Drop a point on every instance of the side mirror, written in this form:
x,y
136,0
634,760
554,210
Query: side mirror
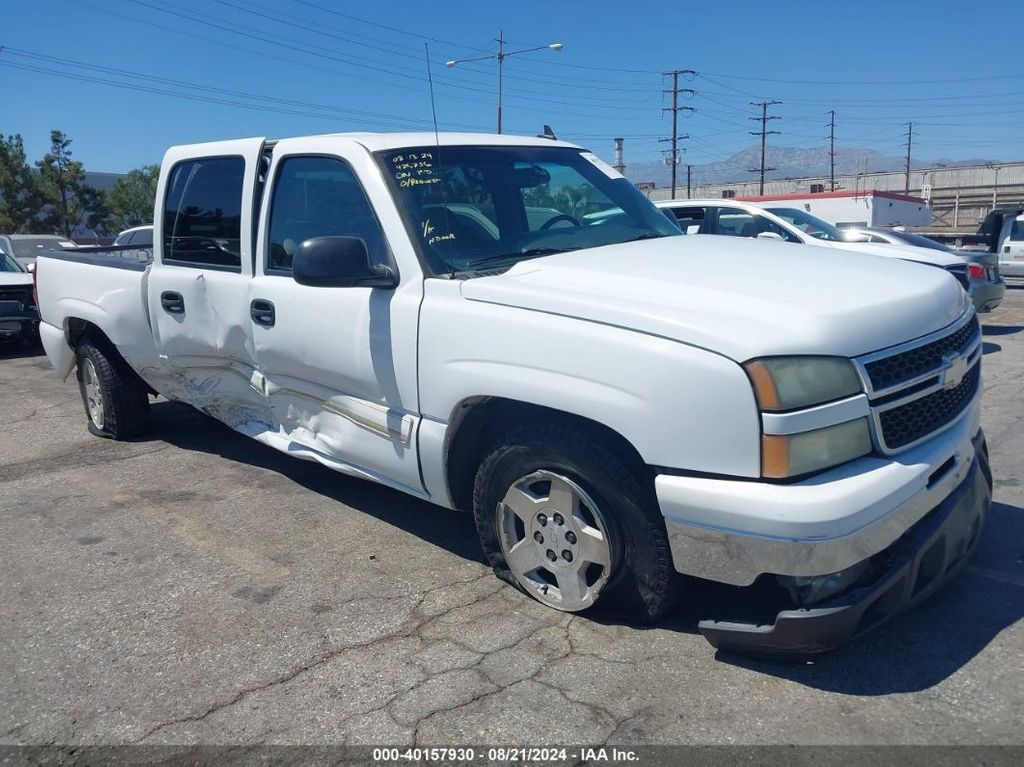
x,y
339,262
770,236
31,267
693,228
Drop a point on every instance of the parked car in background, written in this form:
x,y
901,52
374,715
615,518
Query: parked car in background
x,y
986,284
1004,231
609,407
138,236
735,218
25,247
19,319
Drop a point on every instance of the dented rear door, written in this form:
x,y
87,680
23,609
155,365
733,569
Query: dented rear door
x,y
199,283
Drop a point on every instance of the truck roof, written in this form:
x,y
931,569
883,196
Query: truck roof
x,y
375,142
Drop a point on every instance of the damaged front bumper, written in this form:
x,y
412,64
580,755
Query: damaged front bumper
x,y
915,566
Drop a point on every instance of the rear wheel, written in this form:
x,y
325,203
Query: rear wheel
x,y
116,400
568,519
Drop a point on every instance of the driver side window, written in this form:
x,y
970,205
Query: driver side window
x,y
318,197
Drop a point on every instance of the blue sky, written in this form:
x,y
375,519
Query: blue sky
x,y
292,67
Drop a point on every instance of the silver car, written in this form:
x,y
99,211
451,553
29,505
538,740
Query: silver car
x,y
25,247
986,284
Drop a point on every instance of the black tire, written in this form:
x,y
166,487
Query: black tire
x,y
643,583
125,398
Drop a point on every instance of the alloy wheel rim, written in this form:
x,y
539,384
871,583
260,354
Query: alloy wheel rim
x,y
555,540
93,393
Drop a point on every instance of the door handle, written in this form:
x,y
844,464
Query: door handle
x,y
262,312
172,302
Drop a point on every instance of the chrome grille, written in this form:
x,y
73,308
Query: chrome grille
x,y
905,366
905,424
917,389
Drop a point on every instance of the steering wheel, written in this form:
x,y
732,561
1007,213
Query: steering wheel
x,y
561,217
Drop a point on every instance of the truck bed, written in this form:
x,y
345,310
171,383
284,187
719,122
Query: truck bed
x,y
102,286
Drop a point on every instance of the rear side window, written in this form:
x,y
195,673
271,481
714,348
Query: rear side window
x,y
319,197
738,223
203,213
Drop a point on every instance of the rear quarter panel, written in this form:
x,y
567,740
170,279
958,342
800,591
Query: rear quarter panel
x,y
111,298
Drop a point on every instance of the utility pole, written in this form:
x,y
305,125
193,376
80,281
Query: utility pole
x,y
832,150
764,133
910,138
688,167
675,109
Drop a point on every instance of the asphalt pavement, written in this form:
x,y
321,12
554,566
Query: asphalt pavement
x,y
198,587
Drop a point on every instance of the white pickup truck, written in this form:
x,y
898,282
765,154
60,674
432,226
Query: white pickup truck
x,y
449,315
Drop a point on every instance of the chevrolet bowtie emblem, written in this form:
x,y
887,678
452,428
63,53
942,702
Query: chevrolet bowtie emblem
x,y
954,369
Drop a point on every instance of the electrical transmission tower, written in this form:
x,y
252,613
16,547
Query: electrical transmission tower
x,y
910,138
675,109
832,150
764,133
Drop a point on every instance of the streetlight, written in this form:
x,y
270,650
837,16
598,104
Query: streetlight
x,y
501,55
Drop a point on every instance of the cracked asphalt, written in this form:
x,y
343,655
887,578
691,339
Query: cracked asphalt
x,y
197,587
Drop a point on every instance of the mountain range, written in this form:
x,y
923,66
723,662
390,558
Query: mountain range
x,y
788,162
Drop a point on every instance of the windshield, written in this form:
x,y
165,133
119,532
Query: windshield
x,y
8,264
916,239
29,247
809,224
489,207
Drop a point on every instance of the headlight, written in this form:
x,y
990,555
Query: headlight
x,y
788,383
790,455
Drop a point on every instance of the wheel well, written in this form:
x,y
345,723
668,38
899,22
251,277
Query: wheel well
x,y
79,330
478,422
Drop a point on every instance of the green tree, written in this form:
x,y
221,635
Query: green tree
x,y
131,199
74,201
22,196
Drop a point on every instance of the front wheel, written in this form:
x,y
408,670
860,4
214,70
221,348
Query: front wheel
x,y
567,519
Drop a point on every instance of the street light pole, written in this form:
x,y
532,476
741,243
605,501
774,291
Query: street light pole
x,y
501,55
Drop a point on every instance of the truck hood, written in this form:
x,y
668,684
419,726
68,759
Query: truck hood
x,y
905,252
15,278
742,299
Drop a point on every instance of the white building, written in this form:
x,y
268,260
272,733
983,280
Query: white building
x,y
864,208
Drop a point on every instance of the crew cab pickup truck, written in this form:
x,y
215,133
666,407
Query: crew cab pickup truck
x,y
616,404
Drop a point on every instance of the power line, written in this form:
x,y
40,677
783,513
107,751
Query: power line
x,y
764,133
867,82
675,109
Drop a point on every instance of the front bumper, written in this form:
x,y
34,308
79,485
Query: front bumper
x,y
909,571
733,531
